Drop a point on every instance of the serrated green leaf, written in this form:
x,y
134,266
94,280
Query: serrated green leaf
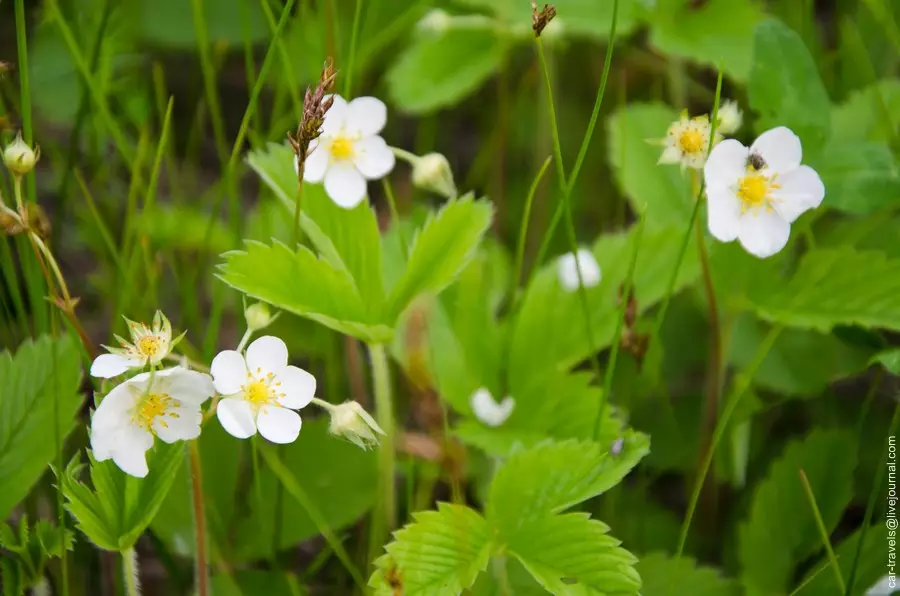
x,y
663,575
872,562
781,508
301,283
42,375
554,476
878,231
664,190
440,554
442,248
12,576
868,114
440,70
859,177
572,555
788,92
836,287
716,32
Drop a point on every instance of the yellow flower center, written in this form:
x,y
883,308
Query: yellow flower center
x,y
148,345
258,393
153,407
754,190
691,141
342,147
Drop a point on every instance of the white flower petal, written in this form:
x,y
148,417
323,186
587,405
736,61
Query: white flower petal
x,y
185,385
229,372
366,116
104,441
800,190
336,116
297,385
182,427
488,411
279,425
723,213
316,163
780,148
131,453
345,185
373,157
236,417
670,155
107,366
726,164
567,270
764,233
113,411
265,355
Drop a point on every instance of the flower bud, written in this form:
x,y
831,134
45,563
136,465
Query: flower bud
x,y
435,21
432,172
258,316
351,421
730,117
19,158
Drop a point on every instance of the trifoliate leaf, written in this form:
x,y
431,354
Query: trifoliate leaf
x,y
788,92
716,32
871,567
860,177
440,70
439,554
573,555
663,575
442,248
554,476
835,287
781,508
42,376
667,192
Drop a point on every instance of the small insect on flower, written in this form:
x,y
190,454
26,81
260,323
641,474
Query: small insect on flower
x,y
755,194
488,411
349,152
687,142
351,421
261,391
164,404
149,345
568,268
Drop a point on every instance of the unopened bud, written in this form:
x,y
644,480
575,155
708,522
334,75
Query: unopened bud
x,y
730,118
435,21
351,422
258,316
432,172
19,158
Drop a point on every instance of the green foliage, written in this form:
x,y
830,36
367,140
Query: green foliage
x,y
788,92
781,508
859,176
171,22
663,575
869,114
118,509
41,378
31,548
835,287
182,227
890,359
871,567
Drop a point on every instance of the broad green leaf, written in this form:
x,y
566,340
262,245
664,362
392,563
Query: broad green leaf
x,y
572,555
442,248
836,287
890,359
116,511
788,92
859,177
549,334
716,32
439,554
665,190
878,231
555,476
781,508
515,580
645,525
870,114
663,575
171,23
350,233
42,376
440,70
871,567
299,282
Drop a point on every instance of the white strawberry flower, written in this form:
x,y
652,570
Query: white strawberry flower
x,y
568,267
755,193
164,403
687,141
149,345
488,411
350,151
261,391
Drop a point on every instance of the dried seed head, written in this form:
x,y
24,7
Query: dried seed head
x,y
10,225
5,67
36,220
541,18
315,106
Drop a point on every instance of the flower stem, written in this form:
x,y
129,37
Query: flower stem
x,y
823,531
410,158
300,168
201,577
244,339
354,36
130,571
384,516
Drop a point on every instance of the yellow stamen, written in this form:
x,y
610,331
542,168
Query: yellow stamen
x,y
153,407
754,190
149,345
342,148
691,141
258,393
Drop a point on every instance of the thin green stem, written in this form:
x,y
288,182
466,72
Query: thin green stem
x,y
351,60
410,158
384,516
130,572
244,339
60,440
298,203
201,574
523,231
823,532
24,87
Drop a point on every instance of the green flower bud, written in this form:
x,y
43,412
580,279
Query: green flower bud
x,y
19,158
432,172
258,316
351,421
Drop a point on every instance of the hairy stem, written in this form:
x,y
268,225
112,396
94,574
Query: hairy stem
x,y
130,571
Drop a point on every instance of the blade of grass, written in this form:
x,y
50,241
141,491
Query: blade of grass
x,y
823,532
351,59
